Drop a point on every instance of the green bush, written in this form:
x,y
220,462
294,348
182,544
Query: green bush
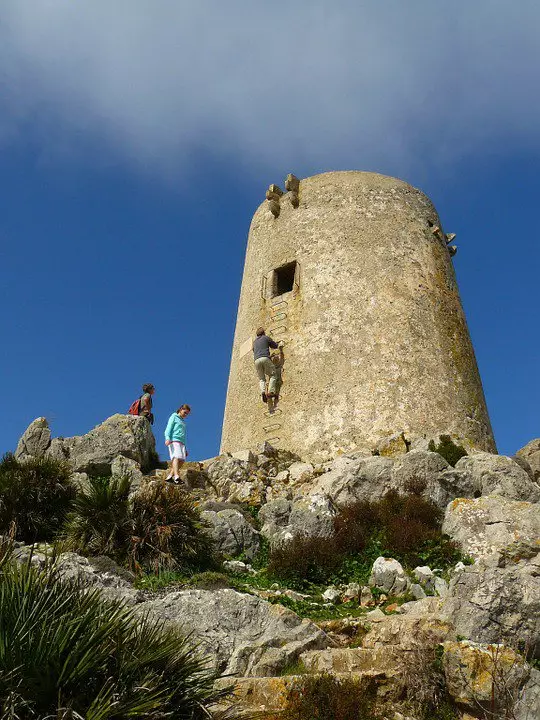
x,y
157,528
167,532
447,449
325,697
99,523
35,495
66,653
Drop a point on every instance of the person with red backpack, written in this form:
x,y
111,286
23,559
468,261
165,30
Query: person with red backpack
x,y
143,405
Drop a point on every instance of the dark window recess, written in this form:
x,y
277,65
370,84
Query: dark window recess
x,y
284,279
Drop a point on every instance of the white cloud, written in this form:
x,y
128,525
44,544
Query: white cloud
x,y
319,84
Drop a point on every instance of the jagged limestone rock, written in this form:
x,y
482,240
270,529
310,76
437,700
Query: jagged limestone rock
x,y
35,440
126,467
488,524
94,453
499,475
309,516
484,676
241,633
531,453
112,580
232,533
498,599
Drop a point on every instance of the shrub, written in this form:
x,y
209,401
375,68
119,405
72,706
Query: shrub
x,y
35,495
303,560
406,527
66,653
167,532
99,522
325,697
447,449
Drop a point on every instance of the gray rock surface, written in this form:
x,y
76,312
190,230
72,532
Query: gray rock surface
x,y
388,575
491,523
498,475
531,453
309,516
498,598
35,440
94,453
528,705
115,582
232,533
241,633
364,478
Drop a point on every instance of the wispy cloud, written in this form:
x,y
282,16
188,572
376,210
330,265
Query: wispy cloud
x,y
328,83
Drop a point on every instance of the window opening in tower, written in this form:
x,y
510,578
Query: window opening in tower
x,y
284,279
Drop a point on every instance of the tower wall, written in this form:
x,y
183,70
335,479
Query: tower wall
x,y
376,342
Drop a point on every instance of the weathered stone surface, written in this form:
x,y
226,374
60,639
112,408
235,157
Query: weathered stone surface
x,y
365,478
94,453
310,516
531,453
35,440
491,523
232,533
528,704
241,633
244,456
300,472
352,661
114,582
484,676
499,475
498,599
388,575
409,631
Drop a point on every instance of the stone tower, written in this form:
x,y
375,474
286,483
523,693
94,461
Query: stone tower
x,y
353,272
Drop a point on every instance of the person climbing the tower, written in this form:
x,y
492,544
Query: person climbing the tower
x,y
263,365
175,440
278,360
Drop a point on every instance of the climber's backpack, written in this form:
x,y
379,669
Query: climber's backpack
x,y
134,408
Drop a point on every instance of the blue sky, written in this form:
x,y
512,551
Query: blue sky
x,y
137,138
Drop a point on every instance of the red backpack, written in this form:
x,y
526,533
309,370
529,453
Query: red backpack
x,y
135,407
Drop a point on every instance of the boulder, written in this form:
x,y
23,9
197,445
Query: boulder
x,y
244,456
94,453
232,533
241,633
300,472
223,471
351,480
34,441
310,516
528,703
409,631
498,475
489,677
387,574
498,598
531,453
491,523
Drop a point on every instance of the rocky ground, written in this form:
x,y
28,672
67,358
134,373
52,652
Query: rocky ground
x,y
478,620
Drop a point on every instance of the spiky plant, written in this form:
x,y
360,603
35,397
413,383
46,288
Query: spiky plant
x,y
67,653
167,531
35,494
99,522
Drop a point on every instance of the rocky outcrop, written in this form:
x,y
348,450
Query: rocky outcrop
x,y
308,517
531,454
242,634
498,475
94,453
35,440
491,523
232,533
498,598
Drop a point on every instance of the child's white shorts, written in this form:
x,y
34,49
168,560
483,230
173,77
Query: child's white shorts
x,y
177,450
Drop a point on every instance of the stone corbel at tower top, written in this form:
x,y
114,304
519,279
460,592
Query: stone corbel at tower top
x,y
274,194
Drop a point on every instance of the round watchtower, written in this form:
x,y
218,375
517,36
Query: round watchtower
x,y
351,270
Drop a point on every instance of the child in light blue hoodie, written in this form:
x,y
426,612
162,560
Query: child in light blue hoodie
x,y
175,439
